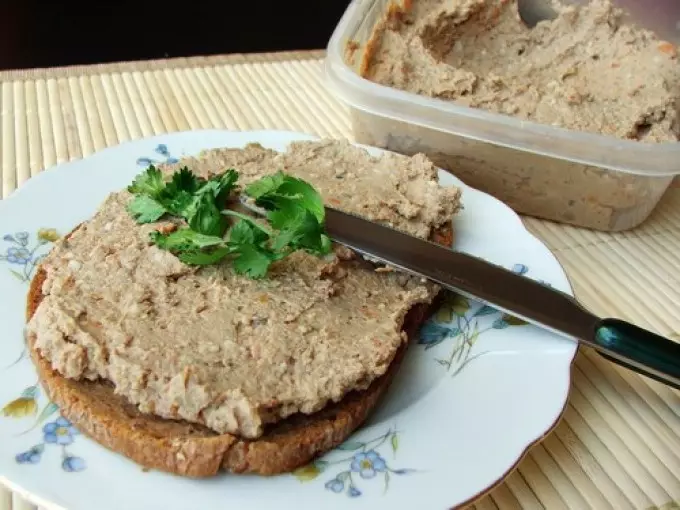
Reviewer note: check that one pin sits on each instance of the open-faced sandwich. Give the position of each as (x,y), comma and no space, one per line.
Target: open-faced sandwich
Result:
(193,338)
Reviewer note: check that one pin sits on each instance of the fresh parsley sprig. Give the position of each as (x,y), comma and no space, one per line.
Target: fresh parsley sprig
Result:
(186,196)
(295,213)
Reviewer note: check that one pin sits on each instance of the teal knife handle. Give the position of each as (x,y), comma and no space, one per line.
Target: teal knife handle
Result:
(640,350)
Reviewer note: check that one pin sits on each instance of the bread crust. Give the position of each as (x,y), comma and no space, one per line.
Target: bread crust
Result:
(187,449)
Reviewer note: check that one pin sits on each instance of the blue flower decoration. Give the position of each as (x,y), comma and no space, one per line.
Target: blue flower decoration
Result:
(18,255)
(162,149)
(353,492)
(59,432)
(22,237)
(73,464)
(520,269)
(145,162)
(335,485)
(368,464)
(8,238)
(432,334)
(500,323)
(364,463)
(31,456)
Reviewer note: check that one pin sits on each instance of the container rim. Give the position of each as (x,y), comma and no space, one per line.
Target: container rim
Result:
(633,157)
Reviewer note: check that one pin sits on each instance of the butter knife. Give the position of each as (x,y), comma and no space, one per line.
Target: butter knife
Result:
(621,342)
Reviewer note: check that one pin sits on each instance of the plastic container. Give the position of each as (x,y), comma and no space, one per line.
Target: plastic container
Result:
(584,179)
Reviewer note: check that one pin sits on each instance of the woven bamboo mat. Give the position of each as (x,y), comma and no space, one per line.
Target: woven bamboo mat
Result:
(618,445)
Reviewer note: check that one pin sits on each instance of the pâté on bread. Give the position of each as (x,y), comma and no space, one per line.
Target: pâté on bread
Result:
(197,369)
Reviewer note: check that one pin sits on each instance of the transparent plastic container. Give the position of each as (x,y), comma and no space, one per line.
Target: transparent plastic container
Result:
(583,179)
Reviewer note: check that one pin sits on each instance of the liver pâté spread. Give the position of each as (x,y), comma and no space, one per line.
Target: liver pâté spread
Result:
(588,70)
(208,346)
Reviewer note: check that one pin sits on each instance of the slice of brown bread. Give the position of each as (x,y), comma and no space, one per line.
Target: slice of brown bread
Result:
(187,449)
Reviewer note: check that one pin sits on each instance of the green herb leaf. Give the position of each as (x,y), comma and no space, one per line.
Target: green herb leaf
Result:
(206,218)
(253,261)
(265,185)
(222,185)
(285,212)
(281,191)
(150,182)
(299,229)
(184,180)
(296,210)
(248,219)
(247,231)
(204,258)
(185,239)
(145,209)
(192,247)
(182,204)
(248,242)
(296,213)
(306,195)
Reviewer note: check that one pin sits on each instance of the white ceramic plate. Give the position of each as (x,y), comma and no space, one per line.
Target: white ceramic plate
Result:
(473,395)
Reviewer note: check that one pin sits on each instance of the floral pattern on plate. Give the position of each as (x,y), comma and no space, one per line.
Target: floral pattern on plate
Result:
(161,150)
(59,432)
(358,462)
(464,321)
(23,256)
(26,256)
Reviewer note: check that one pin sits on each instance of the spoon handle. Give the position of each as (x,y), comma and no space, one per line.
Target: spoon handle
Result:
(640,350)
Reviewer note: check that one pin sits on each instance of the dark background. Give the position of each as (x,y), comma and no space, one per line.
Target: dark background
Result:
(37,34)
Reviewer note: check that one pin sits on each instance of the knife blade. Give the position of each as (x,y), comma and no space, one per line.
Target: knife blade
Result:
(621,342)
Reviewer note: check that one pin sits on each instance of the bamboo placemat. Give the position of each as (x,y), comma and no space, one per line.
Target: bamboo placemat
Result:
(618,445)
